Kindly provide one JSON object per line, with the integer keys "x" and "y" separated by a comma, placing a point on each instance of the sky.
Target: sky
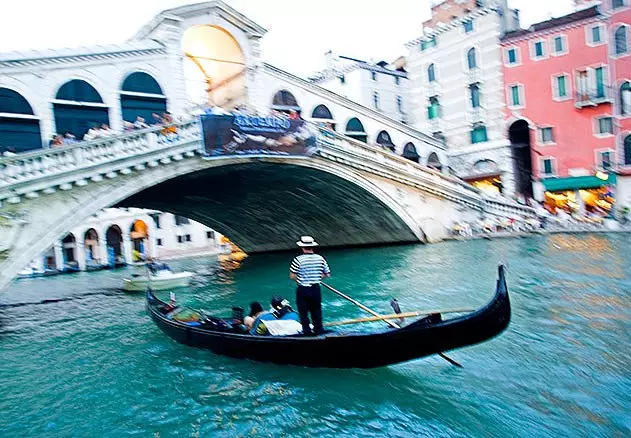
{"x": 299, "y": 31}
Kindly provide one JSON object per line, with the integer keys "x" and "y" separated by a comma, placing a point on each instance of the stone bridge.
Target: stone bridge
{"x": 349, "y": 193}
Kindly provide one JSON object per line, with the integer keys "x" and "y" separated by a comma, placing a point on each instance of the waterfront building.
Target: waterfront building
{"x": 559, "y": 92}
{"x": 457, "y": 90}
{"x": 119, "y": 236}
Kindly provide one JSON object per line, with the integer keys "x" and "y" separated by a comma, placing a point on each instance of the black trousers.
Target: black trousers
{"x": 309, "y": 301}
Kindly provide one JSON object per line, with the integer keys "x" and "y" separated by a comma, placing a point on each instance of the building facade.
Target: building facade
{"x": 457, "y": 92}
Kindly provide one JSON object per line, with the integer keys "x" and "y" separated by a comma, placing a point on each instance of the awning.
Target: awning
{"x": 481, "y": 176}
{"x": 577, "y": 183}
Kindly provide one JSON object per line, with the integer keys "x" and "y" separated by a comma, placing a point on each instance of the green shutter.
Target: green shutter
{"x": 600, "y": 82}
{"x": 562, "y": 87}
{"x": 512, "y": 56}
{"x": 547, "y": 167}
{"x": 596, "y": 34}
{"x": 515, "y": 95}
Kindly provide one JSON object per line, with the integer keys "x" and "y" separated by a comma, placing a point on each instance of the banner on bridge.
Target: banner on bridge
{"x": 239, "y": 134}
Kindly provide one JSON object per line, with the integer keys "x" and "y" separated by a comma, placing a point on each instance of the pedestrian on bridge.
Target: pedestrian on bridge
{"x": 308, "y": 270}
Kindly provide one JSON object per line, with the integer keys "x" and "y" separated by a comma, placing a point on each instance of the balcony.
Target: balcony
{"x": 593, "y": 97}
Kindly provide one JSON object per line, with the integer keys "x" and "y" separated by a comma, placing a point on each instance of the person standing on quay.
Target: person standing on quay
{"x": 308, "y": 270}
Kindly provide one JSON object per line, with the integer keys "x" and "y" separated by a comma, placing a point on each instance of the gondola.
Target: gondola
{"x": 424, "y": 337}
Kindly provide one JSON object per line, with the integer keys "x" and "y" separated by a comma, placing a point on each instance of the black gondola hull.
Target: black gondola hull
{"x": 422, "y": 338}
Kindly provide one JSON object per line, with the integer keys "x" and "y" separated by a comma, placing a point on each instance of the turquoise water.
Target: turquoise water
{"x": 95, "y": 365}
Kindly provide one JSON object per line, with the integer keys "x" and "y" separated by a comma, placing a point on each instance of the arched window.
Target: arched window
{"x": 91, "y": 246}
{"x": 19, "y": 127}
{"x": 474, "y": 91}
{"x": 78, "y": 108}
{"x": 355, "y": 129}
{"x": 322, "y": 112}
{"x": 431, "y": 73}
{"x": 485, "y": 166}
{"x": 142, "y": 96}
{"x": 472, "y": 61}
{"x": 384, "y": 139}
{"x": 625, "y": 99}
{"x": 285, "y": 101}
{"x": 434, "y": 162}
{"x": 114, "y": 240}
{"x": 627, "y": 150}
{"x": 409, "y": 152}
{"x": 478, "y": 134}
{"x": 620, "y": 37}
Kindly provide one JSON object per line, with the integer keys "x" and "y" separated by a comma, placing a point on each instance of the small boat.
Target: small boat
{"x": 426, "y": 336}
{"x": 161, "y": 278}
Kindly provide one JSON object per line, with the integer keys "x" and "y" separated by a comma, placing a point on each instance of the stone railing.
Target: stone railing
{"x": 47, "y": 164}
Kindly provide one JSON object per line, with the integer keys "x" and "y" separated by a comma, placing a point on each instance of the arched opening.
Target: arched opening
{"x": 384, "y": 139}
{"x": 472, "y": 61}
{"x": 409, "y": 152}
{"x": 79, "y": 107}
{"x": 625, "y": 99}
{"x": 355, "y": 129}
{"x": 627, "y": 150}
{"x": 114, "y": 239}
{"x": 68, "y": 250}
{"x": 621, "y": 41}
{"x": 139, "y": 233}
{"x": 485, "y": 175}
{"x": 91, "y": 248}
{"x": 321, "y": 113}
{"x": 141, "y": 96}
{"x": 286, "y": 102}
{"x": 214, "y": 67}
{"x": 434, "y": 162}
{"x": 519, "y": 136}
{"x": 19, "y": 127}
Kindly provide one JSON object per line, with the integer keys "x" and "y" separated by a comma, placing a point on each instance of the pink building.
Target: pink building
{"x": 560, "y": 108}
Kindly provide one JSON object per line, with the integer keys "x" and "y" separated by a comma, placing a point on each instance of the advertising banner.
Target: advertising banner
{"x": 239, "y": 134}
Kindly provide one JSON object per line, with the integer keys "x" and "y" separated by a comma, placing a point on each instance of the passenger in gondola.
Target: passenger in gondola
{"x": 282, "y": 310}
{"x": 255, "y": 311}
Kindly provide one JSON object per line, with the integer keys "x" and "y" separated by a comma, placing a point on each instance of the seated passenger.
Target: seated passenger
{"x": 255, "y": 310}
{"x": 282, "y": 310}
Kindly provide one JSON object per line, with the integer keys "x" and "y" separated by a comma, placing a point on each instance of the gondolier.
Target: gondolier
{"x": 308, "y": 269}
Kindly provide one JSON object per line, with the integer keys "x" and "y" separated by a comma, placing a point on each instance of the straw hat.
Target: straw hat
{"x": 306, "y": 242}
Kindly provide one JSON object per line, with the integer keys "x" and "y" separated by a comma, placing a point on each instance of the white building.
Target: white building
{"x": 456, "y": 88}
{"x": 117, "y": 236}
{"x": 380, "y": 86}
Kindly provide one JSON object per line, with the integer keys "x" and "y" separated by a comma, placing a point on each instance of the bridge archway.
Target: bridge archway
{"x": 141, "y": 96}
{"x": 69, "y": 249}
{"x": 139, "y": 233}
{"x": 91, "y": 247}
{"x": 19, "y": 127}
{"x": 214, "y": 66}
{"x": 409, "y": 152}
{"x": 321, "y": 113}
{"x": 521, "y": 151}
{"x": 433, "y": 161}
{"x": 384, "y": 139}
{"x": 78, "y": 106}
{"x": 285, "y": 101}
{"x": 114, "y": 239}
{"x": 355, "y": 129}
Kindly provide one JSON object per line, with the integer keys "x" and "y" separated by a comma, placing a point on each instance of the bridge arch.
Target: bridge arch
{"x": 410, "y": 152}
{"x": 78, "y": 106}
{"x": 285, "y": 101}
{"x": 322, "y": 112}
{"x": 384, "y": 139}
{"x": 433, "y": 161}
{"x": 141, "y": 95}
{"x": 19, "y": 126}
{"x": 355, "y": 129}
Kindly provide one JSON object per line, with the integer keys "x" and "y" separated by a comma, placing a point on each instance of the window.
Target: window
{"x": 546, "y": 136}
{"x": 427, "y": 44}
{"x": 512, "y": 56}
{"x": 188, "y": 238}
{"x": 561, "y": 87}
{"x": 180, "y": 239}
{"x": 472, "y": 62}
{"x": 605, "y": 159}
{"x": 627, "y": 150}
{"x": 547, "y": 166}
{"x": 397, "y": 80}
{"x": 181, "y": 220}
{"x": 342, "y": 79}
{"x": 625, "y": 99}
{"x": 604, "y": 126}
{"x": 559, "y": 44}
{"x": 375, "y": 100}
{"x": 399, "y": 104}
{"x": 156, "y": 220}
{"x": 599, "y": 75}
{"x": 538, "y": 50}
{"x": 620, "y": 36}
{"x": 210, "y": 235}
{"x": 431, "y": 73}
{"x": 478, "y": 134}
{"x": 373, "y": 75}
{"x": 617, "y": 4}
{"x": 468, "y": 26}
{"x": 433, "y": 110}
{"x": 515, "y": 95}
{"x": 595, "y": 35}
{"x": 159, "y": 242}
{"x": 474, "y": 91}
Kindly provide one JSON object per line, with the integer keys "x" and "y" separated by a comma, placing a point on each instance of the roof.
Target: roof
{"x": 581, "y": 15}
{"x": 129, "y": 47}
{"x": 326, "y": 75}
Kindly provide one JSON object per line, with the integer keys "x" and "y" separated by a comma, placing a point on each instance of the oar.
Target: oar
{"x": 390, "y": 323}
{"x": 395, "y": 316}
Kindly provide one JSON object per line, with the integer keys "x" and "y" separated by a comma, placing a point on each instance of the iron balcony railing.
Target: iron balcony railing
{"x": 593, "y": 96}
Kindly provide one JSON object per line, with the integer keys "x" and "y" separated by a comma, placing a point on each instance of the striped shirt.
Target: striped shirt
{"x": 309, "y": 269}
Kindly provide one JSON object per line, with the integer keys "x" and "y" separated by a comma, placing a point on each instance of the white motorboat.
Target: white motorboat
{"x": 158, "y": 278}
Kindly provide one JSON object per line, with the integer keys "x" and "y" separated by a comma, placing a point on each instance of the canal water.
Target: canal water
{"x": 79, "y": 358}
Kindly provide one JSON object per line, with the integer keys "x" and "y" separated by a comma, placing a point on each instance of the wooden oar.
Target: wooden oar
{"x": 395, "y": 316}
{"x": 390, "y": 323}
